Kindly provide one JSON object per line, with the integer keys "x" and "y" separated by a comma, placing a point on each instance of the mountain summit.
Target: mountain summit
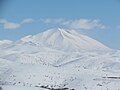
{"x": 65, "y": 40}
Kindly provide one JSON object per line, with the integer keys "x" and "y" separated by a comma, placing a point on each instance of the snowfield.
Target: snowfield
{"x": 58, "y": 59}
{"x": 11, "y": 87}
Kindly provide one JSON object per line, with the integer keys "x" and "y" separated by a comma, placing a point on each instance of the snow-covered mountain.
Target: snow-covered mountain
{"x": 5, "y": 42}
{"x": 54, "y": 43}
{"x": 65, "y": 40}
{"x": 58, "y": 59}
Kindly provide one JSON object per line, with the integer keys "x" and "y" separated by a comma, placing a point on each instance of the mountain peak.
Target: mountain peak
{"x": 60, "y": 29}
{"x": 65, "y": 40}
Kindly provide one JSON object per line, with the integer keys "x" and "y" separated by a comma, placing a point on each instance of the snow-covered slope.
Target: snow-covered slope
{"x": 54, "y": 43}
{"x": 91, "y": 70}
{"x": 65, "y": 40}
{"x": 4, "y": 43}
{"x": 57, "y": 59}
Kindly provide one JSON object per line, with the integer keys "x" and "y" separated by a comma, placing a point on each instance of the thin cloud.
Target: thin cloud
{"x": 86, "y": 24}
{"x": 76, "y": 24}
{"x": 54, "y": 21}
{"x": 118, "y": 27}
{"x": 13, "y": 25}
{"x": 28, "y": 20}
{"x": 10, "y": 25}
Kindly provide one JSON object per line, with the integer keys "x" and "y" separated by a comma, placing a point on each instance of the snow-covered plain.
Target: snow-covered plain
{"x": 57, "y": 59}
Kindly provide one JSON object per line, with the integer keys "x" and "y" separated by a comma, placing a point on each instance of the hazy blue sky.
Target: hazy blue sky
{"x": 99, "y": 19}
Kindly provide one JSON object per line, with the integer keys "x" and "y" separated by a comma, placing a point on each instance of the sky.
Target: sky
{"x": 99, "y": 19}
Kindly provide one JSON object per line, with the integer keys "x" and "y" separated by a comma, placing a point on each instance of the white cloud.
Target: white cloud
{"x": 86, "y": 24}
{"x": 77, "y": 24}
{"x": 54, "y": 21}
{"x": 12, "y": 25}
{"x": 28, "y": 20}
